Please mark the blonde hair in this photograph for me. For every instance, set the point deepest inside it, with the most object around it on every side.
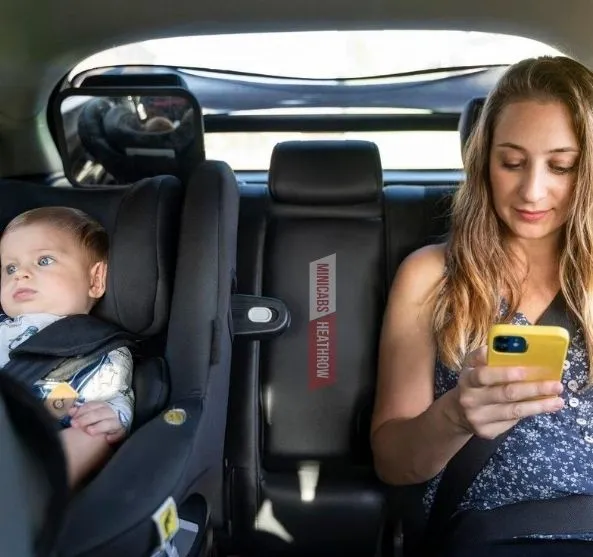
(90, 235)
(479, 270)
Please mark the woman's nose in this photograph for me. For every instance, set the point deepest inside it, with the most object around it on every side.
(534, 185)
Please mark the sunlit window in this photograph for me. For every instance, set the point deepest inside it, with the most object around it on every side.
(329, 59)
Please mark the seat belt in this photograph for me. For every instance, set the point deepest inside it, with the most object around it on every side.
(81, 338)
(570, 514)
(466, 464)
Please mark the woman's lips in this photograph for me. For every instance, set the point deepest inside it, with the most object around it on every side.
(532, 216)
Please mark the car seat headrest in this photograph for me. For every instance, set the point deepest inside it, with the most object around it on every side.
(326, 172)
(469, 118)
(141, 221)
(130, 150)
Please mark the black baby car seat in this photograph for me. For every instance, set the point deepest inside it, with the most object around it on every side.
(164, 239)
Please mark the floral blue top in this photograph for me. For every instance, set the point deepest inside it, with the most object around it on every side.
(545, 456)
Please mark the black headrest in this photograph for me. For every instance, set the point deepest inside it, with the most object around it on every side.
(469, 118)
(142, 223)
(325, 172)
(113, 135)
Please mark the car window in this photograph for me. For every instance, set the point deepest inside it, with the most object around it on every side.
(325, 54)
(400, 150)
(328, 74)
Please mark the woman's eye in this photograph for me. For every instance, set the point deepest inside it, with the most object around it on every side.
(45, 260)
(10, 269)
(511, 165)
(562, 169)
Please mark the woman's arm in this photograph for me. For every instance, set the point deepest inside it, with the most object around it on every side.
(412, 436)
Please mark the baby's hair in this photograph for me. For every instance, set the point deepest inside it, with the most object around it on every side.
(159, 124)
(91, 236)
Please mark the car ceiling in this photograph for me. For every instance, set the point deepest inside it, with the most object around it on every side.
(40, 42)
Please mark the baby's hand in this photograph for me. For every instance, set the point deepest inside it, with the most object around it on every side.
(98, 418)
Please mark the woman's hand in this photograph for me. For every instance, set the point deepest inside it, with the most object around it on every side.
(490, 400)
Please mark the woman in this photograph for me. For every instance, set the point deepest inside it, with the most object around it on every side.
(522, 232)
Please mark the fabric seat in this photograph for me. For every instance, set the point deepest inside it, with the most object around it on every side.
(159, 289)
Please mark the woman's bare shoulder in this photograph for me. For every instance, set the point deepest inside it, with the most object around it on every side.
(420, 271)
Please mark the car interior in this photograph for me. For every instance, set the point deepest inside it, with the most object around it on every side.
(258, 207)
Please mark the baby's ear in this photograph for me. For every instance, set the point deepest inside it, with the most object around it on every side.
(98, 280)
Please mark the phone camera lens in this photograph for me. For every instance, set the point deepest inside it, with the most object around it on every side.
(501, 344)
(514, 344)
(517, 345)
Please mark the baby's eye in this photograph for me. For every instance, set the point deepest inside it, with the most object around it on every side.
(45, 260)
(10, 269)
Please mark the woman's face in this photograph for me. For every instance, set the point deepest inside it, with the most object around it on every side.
(533, 164)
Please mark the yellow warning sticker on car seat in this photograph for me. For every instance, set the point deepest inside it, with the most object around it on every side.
(166, 520)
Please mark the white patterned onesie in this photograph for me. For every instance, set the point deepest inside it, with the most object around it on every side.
(106, 379)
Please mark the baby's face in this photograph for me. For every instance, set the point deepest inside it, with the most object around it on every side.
(45, 270)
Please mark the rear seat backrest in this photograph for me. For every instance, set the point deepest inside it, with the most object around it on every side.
(316, 264)
(468, 119)
(300, 472)
(415, 216)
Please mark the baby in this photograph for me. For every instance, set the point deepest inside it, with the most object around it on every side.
(54, 264)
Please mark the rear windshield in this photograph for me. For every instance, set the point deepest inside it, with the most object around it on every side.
(329, 73)
(325, 54)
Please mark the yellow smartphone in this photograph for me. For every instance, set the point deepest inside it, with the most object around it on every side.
(542, 348)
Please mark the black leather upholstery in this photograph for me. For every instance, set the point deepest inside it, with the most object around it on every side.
(324, 415)
(299, 471)
(468, 119)
(415, 216)
(325, 172)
